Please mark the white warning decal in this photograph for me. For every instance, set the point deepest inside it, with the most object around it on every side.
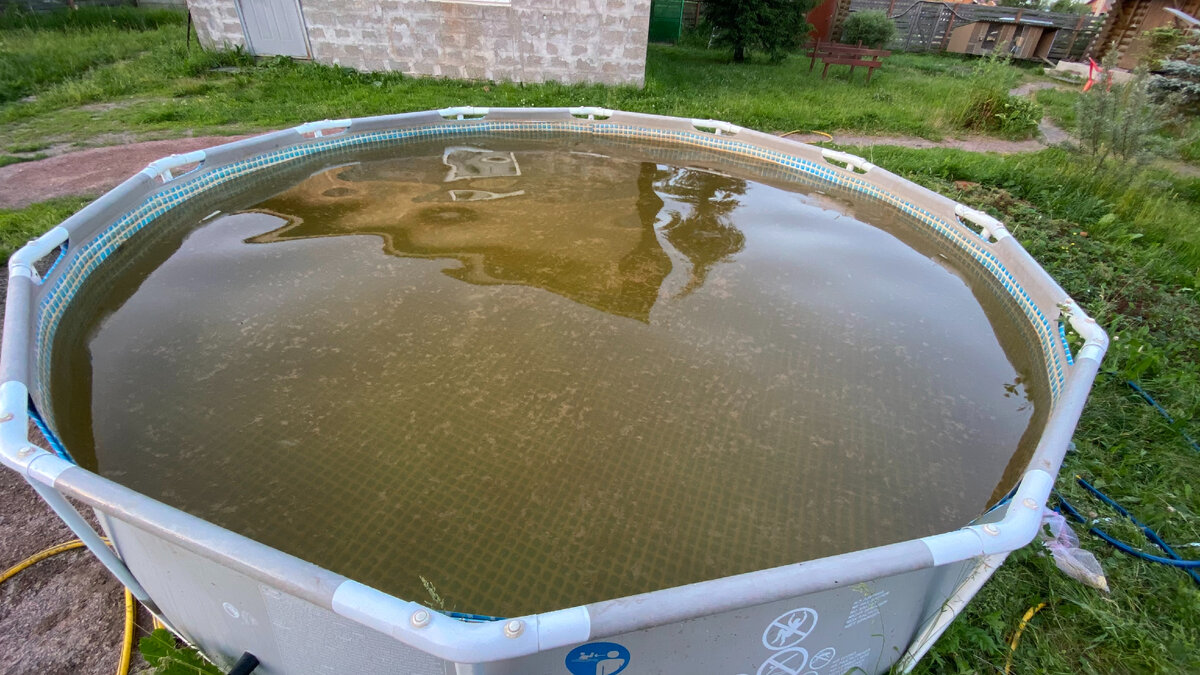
(866, 608)
(790, 629)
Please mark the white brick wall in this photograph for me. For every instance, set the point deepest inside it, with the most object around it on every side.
(526, 41)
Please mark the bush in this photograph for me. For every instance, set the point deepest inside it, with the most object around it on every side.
(873, 28)
(990, 108)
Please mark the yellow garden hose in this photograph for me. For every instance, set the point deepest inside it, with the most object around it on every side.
(1012, 646)
(130, 607)
(38, 557)
(811, 131)
(127, 642)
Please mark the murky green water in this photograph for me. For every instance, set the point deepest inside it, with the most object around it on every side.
(539, 375)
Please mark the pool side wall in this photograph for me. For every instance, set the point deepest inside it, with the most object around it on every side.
(229, 594)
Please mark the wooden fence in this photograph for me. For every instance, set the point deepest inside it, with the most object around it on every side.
(925, 26)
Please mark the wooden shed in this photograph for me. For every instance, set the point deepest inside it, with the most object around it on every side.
(1021, 38)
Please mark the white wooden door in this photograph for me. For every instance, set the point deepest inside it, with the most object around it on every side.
(274, 27)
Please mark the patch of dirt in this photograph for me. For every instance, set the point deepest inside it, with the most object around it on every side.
(89, 172)
(971, 143)
(1052, 134)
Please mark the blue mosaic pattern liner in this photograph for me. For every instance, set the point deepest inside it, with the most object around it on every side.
(94, 252)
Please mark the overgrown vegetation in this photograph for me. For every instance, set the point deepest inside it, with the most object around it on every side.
(1156, 207)
(990, 108)
(83, 39)
(872, 28)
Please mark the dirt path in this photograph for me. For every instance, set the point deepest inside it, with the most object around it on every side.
(88, 172)
(970, 143)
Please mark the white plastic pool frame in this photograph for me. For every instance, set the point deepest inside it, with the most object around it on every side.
(227, 594)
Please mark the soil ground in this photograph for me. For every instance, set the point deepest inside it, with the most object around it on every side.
(88, 172)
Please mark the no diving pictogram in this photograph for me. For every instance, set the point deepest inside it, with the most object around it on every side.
(790, 629)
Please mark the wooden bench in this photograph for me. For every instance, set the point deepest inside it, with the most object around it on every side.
(836, 54)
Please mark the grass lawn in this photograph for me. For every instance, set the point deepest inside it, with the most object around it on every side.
(1124, 241)
(133, 78)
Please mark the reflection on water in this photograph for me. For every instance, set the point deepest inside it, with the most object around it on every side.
(566, 377)
(605, 234)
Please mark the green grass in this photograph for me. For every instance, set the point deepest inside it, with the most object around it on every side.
(20, 225)
(94, 79)
(5, 160)
(39, 50)
(1059, 106)
(1151, 620)
(1158, 208)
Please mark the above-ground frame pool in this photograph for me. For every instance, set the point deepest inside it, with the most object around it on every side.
(562, 391)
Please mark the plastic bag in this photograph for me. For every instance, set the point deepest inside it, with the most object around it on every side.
(1057, 536)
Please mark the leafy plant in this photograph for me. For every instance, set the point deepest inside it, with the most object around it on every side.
(166, 657)
(872, 28)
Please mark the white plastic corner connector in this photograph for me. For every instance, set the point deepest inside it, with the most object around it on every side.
(989, 226)
(847, 159)
(318, 129)
(21, 263)
(1019, 526)
(591, 112)
(14, 423)
(163, 168)
(717, 126)
(454, 640)
(16, 452)
(1095, 340)
(463, 112)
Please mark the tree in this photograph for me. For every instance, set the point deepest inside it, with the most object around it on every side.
(772, 26)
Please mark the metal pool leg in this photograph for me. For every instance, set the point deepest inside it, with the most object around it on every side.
(82, 529)
(949, 611)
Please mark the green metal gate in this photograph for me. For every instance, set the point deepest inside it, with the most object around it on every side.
(666, 20)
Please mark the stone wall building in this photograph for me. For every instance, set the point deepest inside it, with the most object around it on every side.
(514, 40)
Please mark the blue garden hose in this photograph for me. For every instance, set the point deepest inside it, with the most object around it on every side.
(1162, 411)
(1175, 560)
